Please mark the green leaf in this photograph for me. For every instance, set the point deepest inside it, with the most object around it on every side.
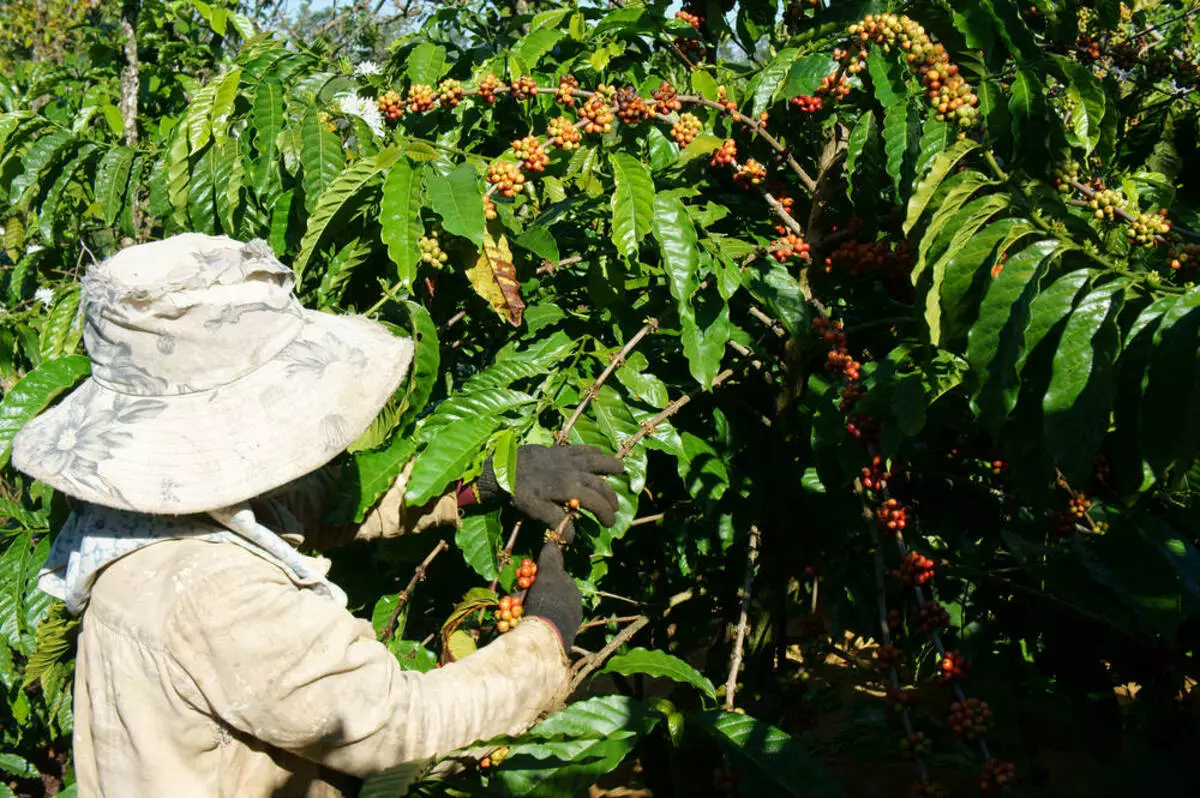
(14, 765)
(446, 457)
(764, 86)
(1172, 388)
(1077, 403)
(268, 121)
(344, 190)
(223, 100)
(373, 473)
(899, 138)
(887, 79)
(424, 370)
(426, 63)
(48, 215)
(1084, 124)
(504, 460)
(540, 241)
(36, 161)
(864, 131)
(479, 540)
(572, 748)
(932, 180)
(178, 173)
(458, 199)
(400, 219)
(539, 42)
(63, 327)
(957, 191)
(198, 122)
(965, 225)
(804, 75)
(1030, 117)
(322, 158)
(968, 274)
(632, 203)
(769, 761)
(34, 393)
(660, 663)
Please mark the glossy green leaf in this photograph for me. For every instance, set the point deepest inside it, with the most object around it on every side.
(224, 96)
(426, 63)
(400, 219)
(34, 393)
(321, 156)
(769, 761)
(660, 663)
(446, 457)
(964, 226)
(479, 538)
(932, 180)
(765, 85)
(632, 202)
(458, 199)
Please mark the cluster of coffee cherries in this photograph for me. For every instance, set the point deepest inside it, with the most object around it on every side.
(562, 133)
(891, 516)
(914, 744)
(834, 85)
(508, 613)
(724, 100)
(565, 95)
(694, 20)
(931, 616)
(421, 98)
(750, 173)
(790, 246)
(914, 570)
(1184, 256)
(450, 93)
(531, 154)
(1106, 202)
(929, 789)
(489, 208)
(1147, 228)
(666, 99)
(488, 87)
(523, 88)
(887, 656)
(806, 104)
(897, 699)
(1063, 174)
(945, 89)
(631, 106)
(685, 129)
(506, 176)
(970, 718)
(494, 759)
(724, 155)
(862, 257)
(996, 775)
(390, 105)
(526, 574)
(873, 476)
(862, 428)
(431, 251)
(953, 666)
(597, 113)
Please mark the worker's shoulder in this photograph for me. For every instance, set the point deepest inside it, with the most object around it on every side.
(144, 591)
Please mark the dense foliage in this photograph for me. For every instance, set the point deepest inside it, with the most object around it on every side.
(891, 317)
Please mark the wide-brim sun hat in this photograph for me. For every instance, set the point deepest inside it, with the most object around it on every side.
(210, 384)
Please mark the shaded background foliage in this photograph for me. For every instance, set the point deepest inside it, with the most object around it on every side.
(1014, 379)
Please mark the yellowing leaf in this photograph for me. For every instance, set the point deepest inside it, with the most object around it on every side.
(495, 278)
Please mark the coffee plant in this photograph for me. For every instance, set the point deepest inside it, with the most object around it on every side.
(889, 310)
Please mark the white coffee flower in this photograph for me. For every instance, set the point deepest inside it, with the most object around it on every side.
(364, 109)
(364, 68)
(44, 295)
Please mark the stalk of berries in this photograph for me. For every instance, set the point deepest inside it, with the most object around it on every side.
(835, 85)
(506, 177)
(524, 87)
(431, 251)
(806, 104)
(954, 666)
(724, 101)
(421, 98)
(666, 99)
(563, 134)
(1063, 174)
(789, 246)
(931, 616)
(916, 569)
(489, 208)
(531, 153)
(1145, 230)
(1183, 256)
(488, 87)
(887, 656)
(685, 129)
(726, 154)
(567, 84)
(1106, 202)
(450, 93)
(945, 89)
(390, 105)
(509, 613)
(970, 718)
(526, 574)
(494, 759)
(692, 19)
(891, 517)
(631, 106)
(914, 744)
(996, 775)
(598, 115)
(873, 476)
(750, 173)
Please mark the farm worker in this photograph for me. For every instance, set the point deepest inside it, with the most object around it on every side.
(215, 659)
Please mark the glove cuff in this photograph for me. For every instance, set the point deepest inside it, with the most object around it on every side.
(560, 622)
(487, 486)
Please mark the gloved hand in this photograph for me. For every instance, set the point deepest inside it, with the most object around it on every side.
(554, 595)
(550, 476)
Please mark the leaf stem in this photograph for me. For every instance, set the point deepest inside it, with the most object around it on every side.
(402, 599)
(650, 326)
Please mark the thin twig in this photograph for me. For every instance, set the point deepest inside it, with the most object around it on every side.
(674, 407)
(455, 319)
(735, 658)
(648, 519)
(615, 596)
(508, 547)
(607, 621)
(402, 599)
(650, 326)
(584, 667)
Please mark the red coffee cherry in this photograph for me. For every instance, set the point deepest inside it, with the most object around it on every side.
(953, 666)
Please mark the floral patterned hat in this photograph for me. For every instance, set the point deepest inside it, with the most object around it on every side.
(210, 384)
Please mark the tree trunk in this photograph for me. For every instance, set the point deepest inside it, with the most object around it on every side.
(129, 75)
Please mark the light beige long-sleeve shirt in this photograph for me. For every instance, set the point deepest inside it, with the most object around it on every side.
(204, 672)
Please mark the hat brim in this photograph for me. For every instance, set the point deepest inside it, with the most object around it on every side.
(200, 451)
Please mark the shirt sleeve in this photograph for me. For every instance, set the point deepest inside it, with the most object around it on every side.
(296, 671)
(297, 512)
